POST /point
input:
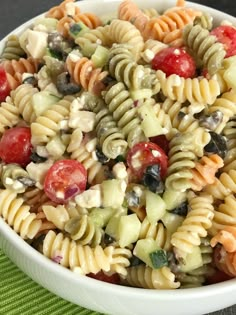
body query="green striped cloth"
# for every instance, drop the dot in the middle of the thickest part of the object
(19, 295)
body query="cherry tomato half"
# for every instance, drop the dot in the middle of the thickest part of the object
(4, 85)
(15, 146)
(162, 142)
(114, 278)
(226, 35)
(144, 154)
(65, 179)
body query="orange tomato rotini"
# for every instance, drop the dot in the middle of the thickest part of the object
(84, 73)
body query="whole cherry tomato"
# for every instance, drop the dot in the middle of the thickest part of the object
(144, 154)
(4, 85)
(65, 179)
(15, 146)
(173, 60)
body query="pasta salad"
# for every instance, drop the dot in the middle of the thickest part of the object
(117, 143)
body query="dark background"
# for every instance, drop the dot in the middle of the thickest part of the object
(15, 12)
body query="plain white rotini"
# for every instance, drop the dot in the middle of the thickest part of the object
(195, 225)
(83, 258)
(9, 115)
(197, 90)
(17, 214)
(46, 126)
(22, 99)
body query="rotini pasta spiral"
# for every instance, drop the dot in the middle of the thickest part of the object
(84, 259)
(229, 132)
(194, 226)
(130, 12)
(224, 215)
(15, 69)
(172, 20)
(205, 21)
(85, 74)
(66, 7)
(223, 186)
(205, 170)
(226, 104)
(151, 12)
(123, 32)
(15, 178)
(226, 263)
(193, 90)
(80, 151)
(35, 198)
(226, 237)
(12, 49)
(110, 137)
(84, 231)
(46, 126)
(95, 37)
(9, 115)
(226, 258)
(88, 19)
(22, 99)
(125, 69)
(181, 119)
(157, 232)
(184, 148)
(145, 277)
(124, 113)
(17, 214)
(204, 46)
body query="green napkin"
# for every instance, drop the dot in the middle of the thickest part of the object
(19, 295)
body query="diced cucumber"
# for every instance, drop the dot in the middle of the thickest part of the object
(42, 101)
(172, 221)
(88, 48)
(128, 230)
(155, 207)
(192, 261)
(100, 56)
(55, 147)
(150, 123)
(78, 29)
(112, 227)
(140, 94)
(158, 258)
(101, 216)
(113, 193)
(173, 198)
(144, 248)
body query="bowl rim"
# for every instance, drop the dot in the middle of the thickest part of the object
(8, 234)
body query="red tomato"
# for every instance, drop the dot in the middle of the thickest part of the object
(144, 154)
(226, 35)
(161, 141)
(4, 85)
(65, 179)
(15, 146)
(173, 60)
(114, 278)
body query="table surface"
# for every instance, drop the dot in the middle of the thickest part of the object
(14, 13)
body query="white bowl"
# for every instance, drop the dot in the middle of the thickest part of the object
(104, 297)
